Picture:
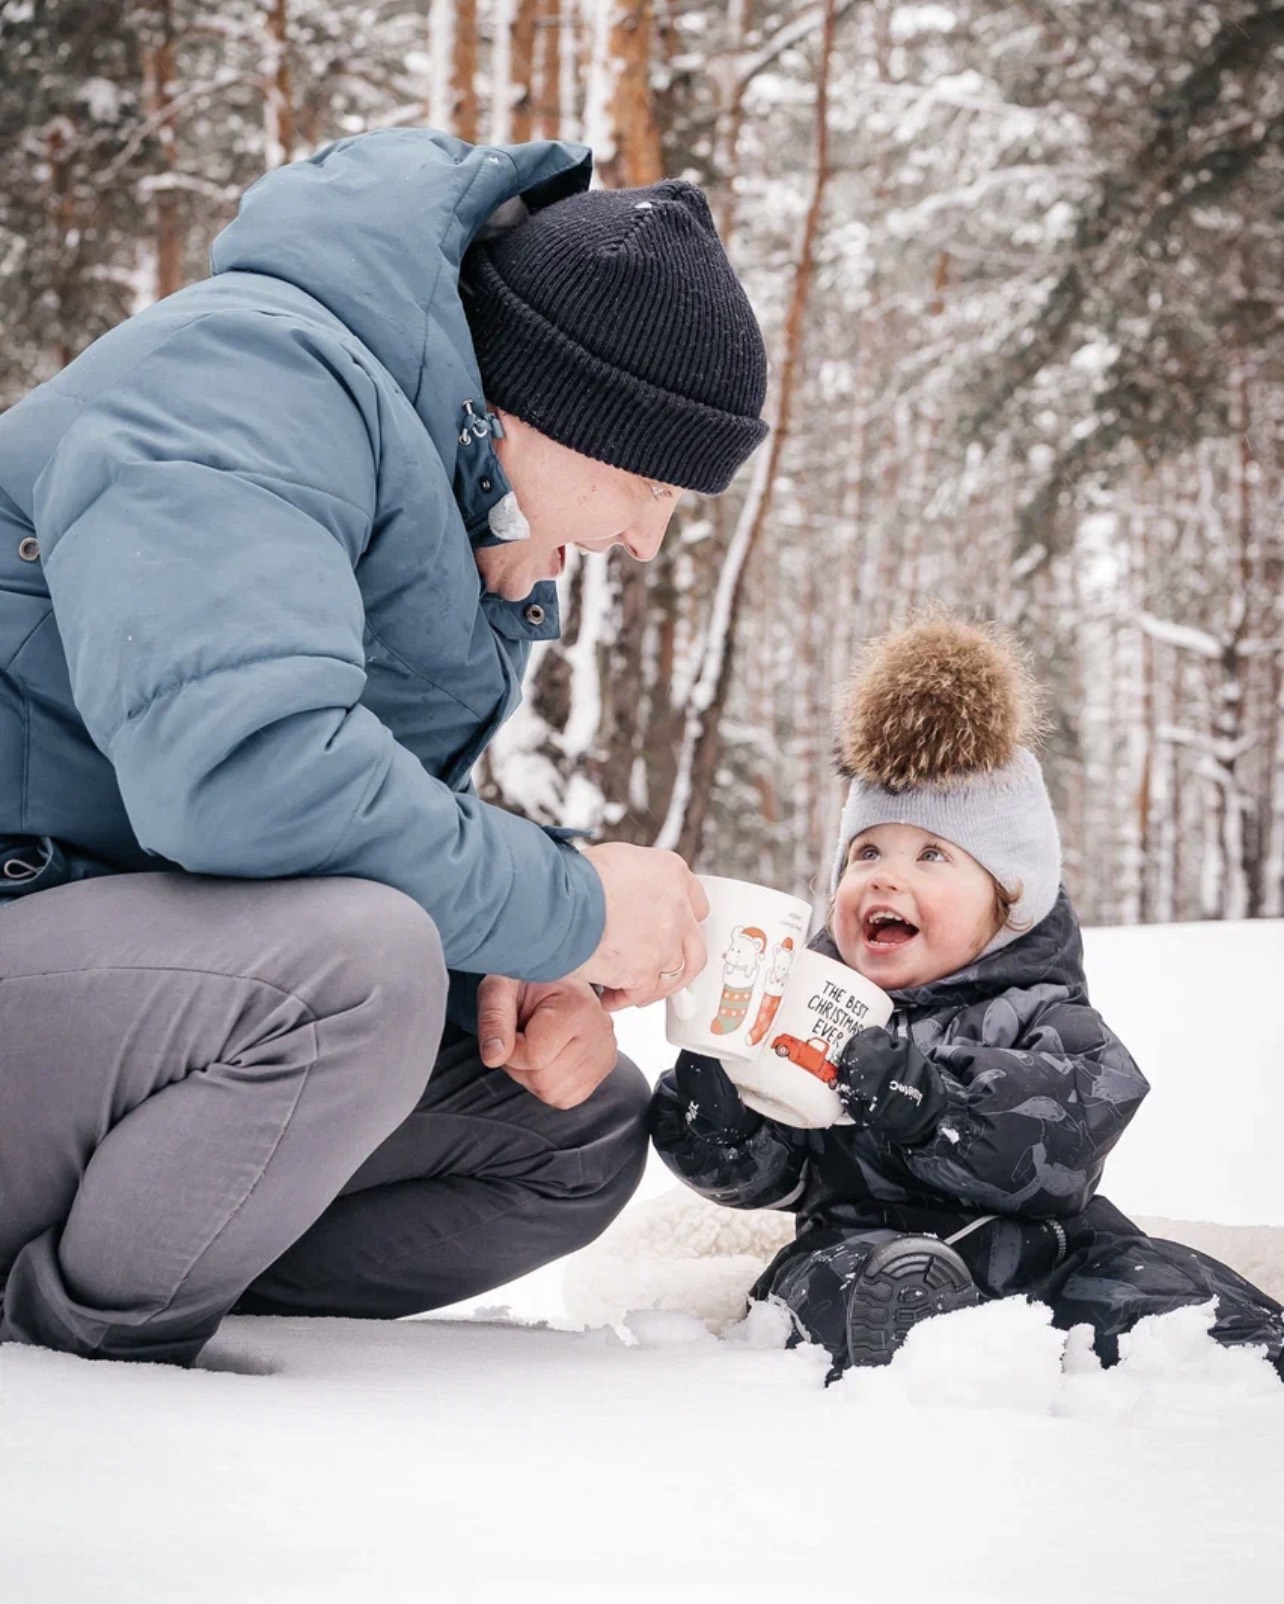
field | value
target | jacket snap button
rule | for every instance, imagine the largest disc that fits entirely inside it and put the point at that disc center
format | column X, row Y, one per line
column 534, row 614
column 485, row 484
column 29, row 549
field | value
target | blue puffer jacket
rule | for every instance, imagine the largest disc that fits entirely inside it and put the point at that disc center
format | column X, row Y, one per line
column 242, row 630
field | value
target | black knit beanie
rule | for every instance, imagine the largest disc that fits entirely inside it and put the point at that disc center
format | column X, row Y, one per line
column 613, row 323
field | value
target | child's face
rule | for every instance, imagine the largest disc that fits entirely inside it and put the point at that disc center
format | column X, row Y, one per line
column 942, row 901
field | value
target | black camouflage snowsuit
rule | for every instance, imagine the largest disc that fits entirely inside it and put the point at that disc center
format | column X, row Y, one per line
column 1039, row 1091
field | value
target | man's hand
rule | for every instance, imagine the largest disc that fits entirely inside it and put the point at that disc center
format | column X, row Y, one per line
column 651, row 945
column 887, row 1086
column 553, row 1037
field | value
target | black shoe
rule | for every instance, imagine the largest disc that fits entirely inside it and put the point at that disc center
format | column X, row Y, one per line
column 901, row 1283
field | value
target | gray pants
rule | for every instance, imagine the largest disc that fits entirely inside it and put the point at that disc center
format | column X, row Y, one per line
column 218, row 1090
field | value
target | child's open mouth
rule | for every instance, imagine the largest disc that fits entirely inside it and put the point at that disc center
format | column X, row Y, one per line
column 883, row 930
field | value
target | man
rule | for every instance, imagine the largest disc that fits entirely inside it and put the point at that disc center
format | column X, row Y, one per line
column 272, row 558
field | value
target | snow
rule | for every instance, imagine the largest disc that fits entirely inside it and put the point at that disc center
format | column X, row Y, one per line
column 595, row 613
column 1192, row 1001
column 485, row 1455
column 598, row 130
column 906, row 21
column 1186, row 636
column 101, row 98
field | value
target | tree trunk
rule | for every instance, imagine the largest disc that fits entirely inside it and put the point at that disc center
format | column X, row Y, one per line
column 697, row 762
column 546, row 63
column 522, row 70
column 159, row 71
column 61, row 215
column 464, row 76
column 730, row 120
column 1146, row 731
column 501, row 72
column 278, row 106
column 637, row 159
column 440, row 103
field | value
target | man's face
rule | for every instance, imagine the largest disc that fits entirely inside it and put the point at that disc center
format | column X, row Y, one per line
column 569, row 500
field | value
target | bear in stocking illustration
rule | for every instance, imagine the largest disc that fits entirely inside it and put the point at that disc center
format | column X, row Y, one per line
column 740, row 965
column 773, row 989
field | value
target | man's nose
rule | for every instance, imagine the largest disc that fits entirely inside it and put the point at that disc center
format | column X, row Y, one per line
column 645, row 537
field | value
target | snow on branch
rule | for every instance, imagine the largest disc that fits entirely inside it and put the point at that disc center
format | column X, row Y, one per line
column 747, row 66
column 1183, row 636
column 191, row 182
column 1224, row 751
column 189, row 98
column 968, row 196
column 1022, row 120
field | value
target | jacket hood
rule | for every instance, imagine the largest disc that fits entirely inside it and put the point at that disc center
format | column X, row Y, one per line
column 1049, row 954
column 375, row 227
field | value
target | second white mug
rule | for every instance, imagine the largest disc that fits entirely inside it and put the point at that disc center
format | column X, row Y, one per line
column 791, row 1077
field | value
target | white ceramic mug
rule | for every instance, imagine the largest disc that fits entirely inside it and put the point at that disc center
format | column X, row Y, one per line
column 753, row 935
column 791, row 1076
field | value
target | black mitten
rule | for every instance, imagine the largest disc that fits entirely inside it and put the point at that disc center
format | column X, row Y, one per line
column 887, row 1086
column 711, row 1096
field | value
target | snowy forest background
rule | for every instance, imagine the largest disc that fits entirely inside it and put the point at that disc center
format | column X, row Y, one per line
column 1019, row 266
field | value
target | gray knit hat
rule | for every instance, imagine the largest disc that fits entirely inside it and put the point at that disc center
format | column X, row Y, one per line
column 613, row 322
column 932, row 732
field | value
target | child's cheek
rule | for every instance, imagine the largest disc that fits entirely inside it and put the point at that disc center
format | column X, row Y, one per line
column 846, row 939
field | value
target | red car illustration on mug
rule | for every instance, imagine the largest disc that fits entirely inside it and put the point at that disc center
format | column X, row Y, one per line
column 811, row 1055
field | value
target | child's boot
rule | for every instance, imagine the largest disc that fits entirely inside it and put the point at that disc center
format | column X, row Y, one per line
column 902, row 1282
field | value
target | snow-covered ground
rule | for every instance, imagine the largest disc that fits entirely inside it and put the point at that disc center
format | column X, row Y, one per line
column 478, row 1457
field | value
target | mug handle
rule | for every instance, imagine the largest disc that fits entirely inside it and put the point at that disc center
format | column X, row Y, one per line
column 683, row 1004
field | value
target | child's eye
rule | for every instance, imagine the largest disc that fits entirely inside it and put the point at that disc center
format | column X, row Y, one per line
column 865, row 853
column 933, row 853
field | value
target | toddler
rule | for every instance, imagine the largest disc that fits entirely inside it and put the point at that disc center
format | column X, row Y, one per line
column 982, row 1115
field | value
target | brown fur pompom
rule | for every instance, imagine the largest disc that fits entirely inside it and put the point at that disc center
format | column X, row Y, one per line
column 934, row 701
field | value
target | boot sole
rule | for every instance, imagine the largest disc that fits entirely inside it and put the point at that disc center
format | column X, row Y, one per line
column 902, row 1284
